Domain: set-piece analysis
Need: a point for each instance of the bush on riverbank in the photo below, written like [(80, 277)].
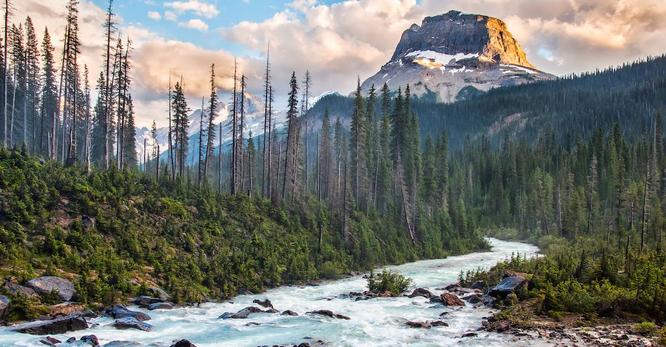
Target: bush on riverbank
[(388, 282), (569, 280)]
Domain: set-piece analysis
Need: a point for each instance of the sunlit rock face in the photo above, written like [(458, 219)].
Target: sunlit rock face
[(454, 56)]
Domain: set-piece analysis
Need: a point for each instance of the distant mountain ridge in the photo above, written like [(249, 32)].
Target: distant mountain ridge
[(454, 55)]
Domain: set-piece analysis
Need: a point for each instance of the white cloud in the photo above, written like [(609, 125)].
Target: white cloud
[(170, 16), (154, 15), (200, 8), (335, 42), (196, 24), (354, 38)]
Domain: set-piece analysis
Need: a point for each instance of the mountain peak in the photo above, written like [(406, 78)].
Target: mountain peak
[(455, 32), (456, 55)]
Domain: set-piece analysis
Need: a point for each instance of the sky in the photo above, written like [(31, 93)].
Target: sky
[(337, 41)]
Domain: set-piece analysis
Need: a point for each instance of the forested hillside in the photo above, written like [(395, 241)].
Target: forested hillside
[(565, 108), (114, 233), (596, 208)]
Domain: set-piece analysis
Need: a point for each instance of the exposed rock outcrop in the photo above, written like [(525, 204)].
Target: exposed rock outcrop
[(56, 326), (508, 285), (49, 284), (455, 56)]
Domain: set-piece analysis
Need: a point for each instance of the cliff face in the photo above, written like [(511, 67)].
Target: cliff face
[(453, 53)]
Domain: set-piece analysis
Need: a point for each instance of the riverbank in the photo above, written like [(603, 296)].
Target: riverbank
[(568, 304)]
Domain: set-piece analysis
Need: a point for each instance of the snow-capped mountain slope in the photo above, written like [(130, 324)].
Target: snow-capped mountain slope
[(454, 54), (254, 123)]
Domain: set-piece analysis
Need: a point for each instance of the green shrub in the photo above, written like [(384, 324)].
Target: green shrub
[(388, 281), (645, 328)]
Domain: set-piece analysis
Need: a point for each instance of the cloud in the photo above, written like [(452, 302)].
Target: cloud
[(200, 8), (196, 24), (170, 16), (156, 16), (575, 35), (335, 42), (338, 42)]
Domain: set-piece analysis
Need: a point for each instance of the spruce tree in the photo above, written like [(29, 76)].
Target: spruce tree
[(180, 127), (210, 128), (291, 157)]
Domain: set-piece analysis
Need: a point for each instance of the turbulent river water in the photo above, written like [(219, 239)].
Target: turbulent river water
[(375, 322)]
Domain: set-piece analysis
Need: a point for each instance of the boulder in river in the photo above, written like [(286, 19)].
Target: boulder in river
[(132, 323), (329, 313), (160, 306), (4, 306), (50, 341), (453, 287), (473, 298), (145, 300), (509, 284), (56, 326), (244, 313), (183, 343), (421, 292), (120, 311), (449, 299), (49, 284), (427, 325), (265, 303), (90, 339), (289, 313), (478, 285)]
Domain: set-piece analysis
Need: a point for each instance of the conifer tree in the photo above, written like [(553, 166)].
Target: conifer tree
[(100, 125), (129, 142), (210, 127), (325, 157), (33, 83), (180, 127), (291, 157), (358, 150)]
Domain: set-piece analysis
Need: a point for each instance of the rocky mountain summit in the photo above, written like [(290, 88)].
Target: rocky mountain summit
[(455, 55)]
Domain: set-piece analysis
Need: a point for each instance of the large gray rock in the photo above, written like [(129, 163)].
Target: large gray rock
[(132, 323), (120, 311), (329, 313), (15, 289), (508, 285), (145, 301), (49, 284), (56, 326), (244, 313), (455, 56), (160, 293), (421, 292)]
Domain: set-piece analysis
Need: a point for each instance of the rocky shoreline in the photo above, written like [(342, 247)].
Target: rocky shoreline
[(68, 316)]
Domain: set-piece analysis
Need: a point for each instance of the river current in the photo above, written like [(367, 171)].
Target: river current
[(375, 322)]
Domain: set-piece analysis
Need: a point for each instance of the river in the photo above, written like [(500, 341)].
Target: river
[(375, 322)]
